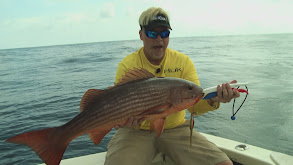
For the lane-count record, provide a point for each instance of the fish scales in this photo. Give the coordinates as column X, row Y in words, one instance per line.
column 121, row 104
column 138, row 103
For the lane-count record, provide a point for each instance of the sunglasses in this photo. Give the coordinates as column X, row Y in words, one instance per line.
column 153, row 34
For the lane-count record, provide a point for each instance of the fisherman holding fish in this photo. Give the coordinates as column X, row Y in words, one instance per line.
column 153, row 87
column 133, row 143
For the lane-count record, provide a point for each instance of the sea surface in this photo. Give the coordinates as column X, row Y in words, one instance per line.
column 42, row 87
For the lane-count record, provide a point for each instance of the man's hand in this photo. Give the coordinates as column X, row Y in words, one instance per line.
column 131, row 122
column 226, row 93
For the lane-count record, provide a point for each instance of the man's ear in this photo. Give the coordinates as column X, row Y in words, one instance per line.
column 140, row 34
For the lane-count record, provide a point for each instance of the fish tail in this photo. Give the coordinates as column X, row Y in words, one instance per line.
column 47, row 143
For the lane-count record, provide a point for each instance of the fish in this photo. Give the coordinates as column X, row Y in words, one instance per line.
column 138, row 94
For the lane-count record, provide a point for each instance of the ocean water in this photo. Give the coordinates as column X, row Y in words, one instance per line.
column 41, row 87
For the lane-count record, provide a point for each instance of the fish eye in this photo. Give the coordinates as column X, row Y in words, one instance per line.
column 190, row 87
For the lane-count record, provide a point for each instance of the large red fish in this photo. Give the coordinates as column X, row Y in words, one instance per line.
column 139, row 94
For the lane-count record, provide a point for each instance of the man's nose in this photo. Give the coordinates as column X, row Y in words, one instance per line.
column 159, row 37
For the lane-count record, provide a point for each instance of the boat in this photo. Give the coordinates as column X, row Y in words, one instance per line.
column 239, row 153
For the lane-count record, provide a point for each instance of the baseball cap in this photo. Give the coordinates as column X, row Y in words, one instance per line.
column 158, row 21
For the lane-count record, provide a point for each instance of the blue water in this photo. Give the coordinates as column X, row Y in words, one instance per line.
column 42, row 87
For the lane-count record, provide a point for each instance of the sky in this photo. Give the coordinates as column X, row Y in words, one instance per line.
column 31, row 23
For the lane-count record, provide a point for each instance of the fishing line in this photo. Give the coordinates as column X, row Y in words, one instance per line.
column 233, row 114
column 260, row 144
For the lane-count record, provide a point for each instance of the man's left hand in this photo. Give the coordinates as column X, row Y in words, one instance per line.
column 226, row 93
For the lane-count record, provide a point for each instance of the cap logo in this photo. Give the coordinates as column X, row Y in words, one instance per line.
column 159, row 17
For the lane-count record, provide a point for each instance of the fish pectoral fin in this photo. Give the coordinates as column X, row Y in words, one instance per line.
column 97, row 135
column 158, row 125
column 158, row 112
column 155, row 110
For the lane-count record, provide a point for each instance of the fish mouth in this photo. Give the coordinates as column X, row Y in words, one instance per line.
column 197, row 99
column 196, row 96
column 202, row 95
column 199, row 96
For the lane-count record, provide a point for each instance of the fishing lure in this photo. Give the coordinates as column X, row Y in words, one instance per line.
column 191, row 127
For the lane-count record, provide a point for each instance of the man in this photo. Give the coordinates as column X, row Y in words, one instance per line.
column 133, row 143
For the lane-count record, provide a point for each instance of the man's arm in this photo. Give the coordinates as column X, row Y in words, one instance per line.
column 225, row 93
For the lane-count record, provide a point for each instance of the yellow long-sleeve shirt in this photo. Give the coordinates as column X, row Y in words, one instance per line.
column 174, row 64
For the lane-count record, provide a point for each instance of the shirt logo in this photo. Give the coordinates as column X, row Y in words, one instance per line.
column 172, row 70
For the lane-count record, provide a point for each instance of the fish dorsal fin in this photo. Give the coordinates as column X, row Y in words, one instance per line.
column 88, row 97
column 134, row 74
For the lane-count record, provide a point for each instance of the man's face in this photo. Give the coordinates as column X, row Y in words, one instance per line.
column 154, row 48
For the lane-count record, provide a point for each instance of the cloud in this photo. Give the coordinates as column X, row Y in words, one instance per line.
column 46, row 22
column 108, row 11
column 131, row 12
